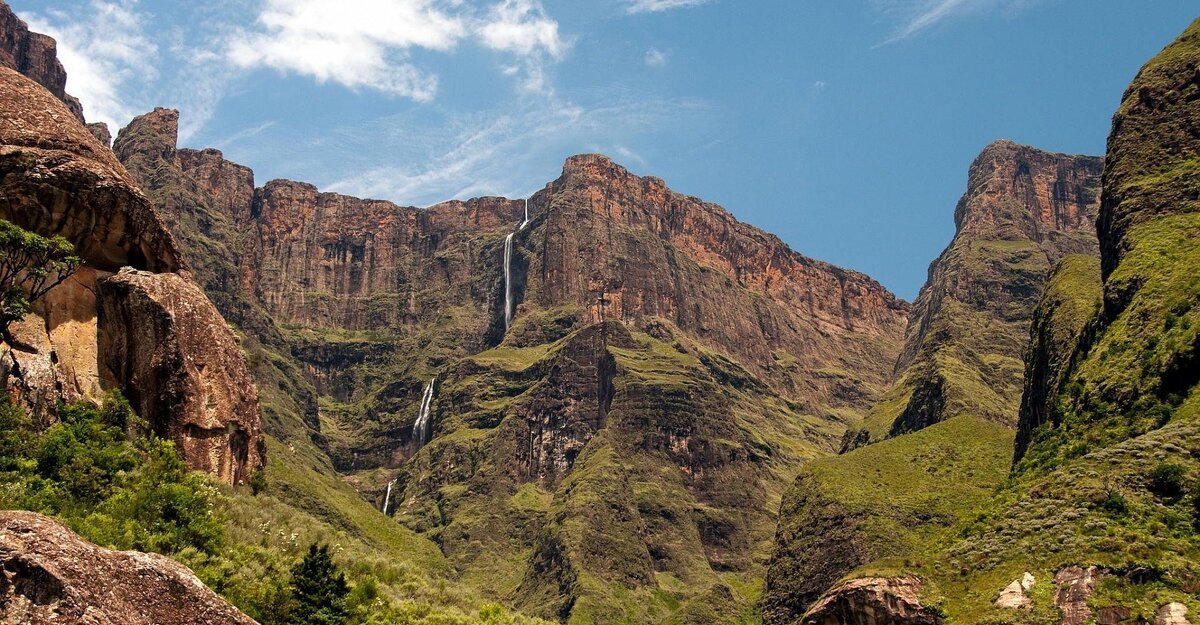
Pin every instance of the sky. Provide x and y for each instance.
(846, 127)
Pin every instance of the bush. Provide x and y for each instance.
(319, 589)
(1166, 480)
(1114, 503)
(100, 471)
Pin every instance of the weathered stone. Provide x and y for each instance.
(1074, 586)
(100, 131)
(1014, 595)
(51, 576)
(164, 343)
(872, 601)
(1173, 613)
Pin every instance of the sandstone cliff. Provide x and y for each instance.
(1109, 430)
(36, 56)
(56, 179)
(730, 360)
(1023, 211)
(50, 575)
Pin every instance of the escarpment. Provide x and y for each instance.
(658, 355)
(959, 374)
(56, 179)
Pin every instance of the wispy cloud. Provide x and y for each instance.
(918, 16)
(656, 57)
(496, 154)
(656, 6)
(104, 51)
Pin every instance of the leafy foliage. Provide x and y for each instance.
(30, 265)
(108, 478)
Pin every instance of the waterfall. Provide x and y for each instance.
(421, 427)
(387, 500)
(508, 303)
(508, 242)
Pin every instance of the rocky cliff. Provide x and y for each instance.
(727, 360)
(58, 180)
(962, 364)
(34, 55)
(48, 575)
(1096, 520)
(1023, 211)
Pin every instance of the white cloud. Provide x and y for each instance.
(369, 46)
(363, 47)
(820, 85)
(918, 16)
(656, 57)
(104, 51)
(656, 6)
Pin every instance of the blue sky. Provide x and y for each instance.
(845, 127)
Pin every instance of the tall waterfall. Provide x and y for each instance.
(508, 242)
(387, 499)
(508, 303)
(421, 428)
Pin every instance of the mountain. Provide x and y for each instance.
(1023, 211)
(940, 439)
(720, 362)
(1096, 517)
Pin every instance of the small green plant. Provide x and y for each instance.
(1166, 480)
(1114, 503)
(258, 481)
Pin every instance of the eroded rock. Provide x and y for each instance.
(872, 601)
(49, 575)
(1014, 595)
(1173, 613)
(162, 340)
(36, 56)
(1074, 586)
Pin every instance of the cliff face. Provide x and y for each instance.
(727, 359)
(961, 367)
(34, 55)
(48, 575)
(1023, 211)
(1109, 425)
(58, 180)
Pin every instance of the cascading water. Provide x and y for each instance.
(421, 427)
(387, 499)
(508, 242)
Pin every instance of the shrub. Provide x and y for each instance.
(1166, 480)
(319, 589)
(1114, 502)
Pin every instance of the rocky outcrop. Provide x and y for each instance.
(1172, 614)
(873, 601)
(1016, 595)
(1023, 211)
(34, 55)
(1073, 587)
(50, 575)
(162, 342)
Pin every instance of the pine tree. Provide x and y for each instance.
(319, 589)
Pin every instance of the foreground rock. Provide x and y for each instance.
(34, 55)
(57, 179)
(48, 574)
(186, 374)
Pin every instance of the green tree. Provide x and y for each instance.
(319, 589)
(30, 265)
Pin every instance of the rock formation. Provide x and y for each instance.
(1023, 211)
(873, 601)
(58, 180)
(36, 56)
(50, 575)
